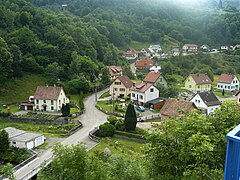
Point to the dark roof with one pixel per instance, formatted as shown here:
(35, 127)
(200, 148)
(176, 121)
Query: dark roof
(226, 78)
(209, 98)
(47, 92)
(201, 78)
(126, 81)
(115, 70)
(152, 77)
(141, 87)
(155, 100)
(172, 107)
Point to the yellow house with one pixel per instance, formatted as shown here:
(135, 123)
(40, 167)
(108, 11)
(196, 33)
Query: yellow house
(120, 88)
(198, 83)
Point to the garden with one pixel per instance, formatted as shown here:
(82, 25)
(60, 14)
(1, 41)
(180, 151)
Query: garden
(32, 115)
(113, 106)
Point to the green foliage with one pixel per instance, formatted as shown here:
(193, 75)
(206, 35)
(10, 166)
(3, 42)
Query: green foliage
(106, 130)
(130, 120)
(65, 110)
(80, 102)
(118, 123)
(130, 134)
(196, 142)
(4, 141)
(166, 92)
(7, 171)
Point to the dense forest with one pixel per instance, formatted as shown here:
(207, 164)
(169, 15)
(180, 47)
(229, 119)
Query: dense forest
(72, 41)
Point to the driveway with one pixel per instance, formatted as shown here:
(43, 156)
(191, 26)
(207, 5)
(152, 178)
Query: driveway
(90, 119)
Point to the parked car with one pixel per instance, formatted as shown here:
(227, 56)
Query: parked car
(140, 108)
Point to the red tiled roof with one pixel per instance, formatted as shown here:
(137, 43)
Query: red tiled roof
(115, 70)
(47, 92)
(126, 81)
(226, 78)
(201, 78)
(172, 107)
(141, 87)
(144, 63)
(152, 77)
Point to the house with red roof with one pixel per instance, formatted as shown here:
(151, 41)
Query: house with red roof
(144, 64)
(120, 87)
(155, 78)
(143, 92)
(198, 83)
(228, 82)
(130, 54)
(49, 98)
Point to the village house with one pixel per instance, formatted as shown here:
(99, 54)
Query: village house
(206, 101)
(142, 93)
(115, 71)
(198, 83)
(224, 47)
(155, 68)
(228, 82)
(130, 54)
(145, 52)
(120, 88)
(49, 98)
(190, 48)
(155, 50)
(205, 47)
(174, 52)
(175, 107)
(22, 139)
(155, 78)
(144, 64)
(237, 46)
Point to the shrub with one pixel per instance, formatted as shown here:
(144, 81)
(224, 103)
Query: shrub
(4, 114)
(119, 125)
(106, 130)
(112, 119)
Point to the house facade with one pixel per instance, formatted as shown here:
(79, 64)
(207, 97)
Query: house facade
(198, 83)
(155, 78)
(206, 101)
(49, 98)
(115, 71)
(224, 47)
(174, 52)
(155, 68)
(205, 47)
(190, 48)
(228, 82)
(120, 88)
(155, 50)
(130, 54)
(142, 93)
(144, 64)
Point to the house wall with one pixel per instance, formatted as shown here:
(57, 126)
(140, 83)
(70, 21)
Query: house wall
(192, 86)
(138, 96)
(146, 96)
(211, 109)
(234, 85)
(62, 99)
(199, 102)
(39, 141)
(117, 89)
(161, 80)
(17, 144)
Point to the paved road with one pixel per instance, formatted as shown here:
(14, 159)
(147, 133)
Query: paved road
(133, 69)
(90, 119)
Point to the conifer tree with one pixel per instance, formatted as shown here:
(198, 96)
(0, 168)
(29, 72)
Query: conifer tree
(130, 118)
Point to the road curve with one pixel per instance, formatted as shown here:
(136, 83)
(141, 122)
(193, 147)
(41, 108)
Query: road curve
(90, 119)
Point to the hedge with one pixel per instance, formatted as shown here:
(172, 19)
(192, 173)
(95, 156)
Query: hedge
(130, 135)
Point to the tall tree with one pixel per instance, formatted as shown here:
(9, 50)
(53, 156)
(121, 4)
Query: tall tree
(130, 118)
(4, 141)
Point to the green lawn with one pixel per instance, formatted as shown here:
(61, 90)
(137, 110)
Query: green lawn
(119, 146)
(13, 108)
(104, 95)
(47, 130)
(218, 93)
(154, 120)
(19, 89)
(74, 110)
(108, 106)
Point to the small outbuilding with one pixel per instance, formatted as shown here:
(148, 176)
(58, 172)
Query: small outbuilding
(156, 103)
(22, 139)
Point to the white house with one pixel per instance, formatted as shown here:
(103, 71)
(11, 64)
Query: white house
(22, 139)
(190, 48)
(228, 82)
(49, 98)
(155, 50)
(205, 47)
(155, 68)
(224, 47)
(206, 101)
(143, 92)
(130, 54)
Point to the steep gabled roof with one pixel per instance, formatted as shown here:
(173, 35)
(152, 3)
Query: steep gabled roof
(152, 77)
(141, 87)
(172, 107)
(201, 79)
(144, 63)
(209, 98)
(126, 81)
(47, 92)
(226, 78)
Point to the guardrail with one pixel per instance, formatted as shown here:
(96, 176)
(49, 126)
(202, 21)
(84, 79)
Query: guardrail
(92, 136)
(144, 118)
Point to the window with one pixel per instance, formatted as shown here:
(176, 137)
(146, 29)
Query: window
(64, 100)
(141, 97)
(117, 83)
(52, 108)
(133, 95)
(37, 101)
(198, 87)
(51, 102)
(218, 86)
(196, 100)
(37, 106)
(122, 89)
(14, 142)
(190, 86)
(115, 89)
(225, 87)
(228, 87)
(221, 86)
(160, 79)
(44, 101)
(189, 80)
(59, 101)
(238, 99)
(152, 90)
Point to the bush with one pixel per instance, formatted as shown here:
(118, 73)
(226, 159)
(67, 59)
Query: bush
(106, 130)
(112, 119)
(130, 135)
(119, 125)
(4, 114)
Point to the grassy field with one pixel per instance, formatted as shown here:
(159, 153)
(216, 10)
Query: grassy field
(13, 108)
(104, 95)
(119, 146)
(219, 94)
(19, 89)
(47, 130)
(73, 110)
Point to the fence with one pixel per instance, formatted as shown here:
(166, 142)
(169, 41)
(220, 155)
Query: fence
(92, 136)
(144, 118)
